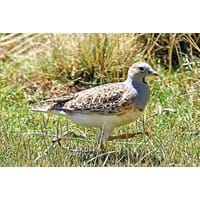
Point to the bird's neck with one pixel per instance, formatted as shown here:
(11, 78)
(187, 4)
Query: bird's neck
(135, 80)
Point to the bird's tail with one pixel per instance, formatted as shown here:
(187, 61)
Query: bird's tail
(43, 110)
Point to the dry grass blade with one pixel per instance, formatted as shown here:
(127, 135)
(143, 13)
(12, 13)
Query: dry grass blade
(151, 47)
(7, 39)
(15, 39)
(14, 45)
(192, 42)
(172, 38)
(98, 156)
(25, 45)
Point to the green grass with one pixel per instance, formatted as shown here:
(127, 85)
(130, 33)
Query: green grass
(171, 139)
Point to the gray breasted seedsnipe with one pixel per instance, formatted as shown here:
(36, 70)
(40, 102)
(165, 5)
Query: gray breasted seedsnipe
(107, 106)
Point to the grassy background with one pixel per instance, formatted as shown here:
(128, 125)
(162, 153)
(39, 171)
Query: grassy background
(35, 66)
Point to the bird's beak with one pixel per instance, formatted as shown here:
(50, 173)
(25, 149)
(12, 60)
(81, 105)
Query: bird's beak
(152, 72)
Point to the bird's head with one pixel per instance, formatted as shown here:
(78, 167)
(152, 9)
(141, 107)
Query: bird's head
(139, 71)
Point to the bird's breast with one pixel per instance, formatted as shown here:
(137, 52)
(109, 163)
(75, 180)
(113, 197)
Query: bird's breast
(141, 96)
(109, 120)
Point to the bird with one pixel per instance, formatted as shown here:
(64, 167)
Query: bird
(106, 106)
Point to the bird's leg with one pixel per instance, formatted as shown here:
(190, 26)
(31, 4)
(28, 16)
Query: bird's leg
(123, 136)
(100, 140)
(102, 137)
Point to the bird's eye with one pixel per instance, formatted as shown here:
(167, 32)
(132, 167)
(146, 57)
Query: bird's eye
(141, 68)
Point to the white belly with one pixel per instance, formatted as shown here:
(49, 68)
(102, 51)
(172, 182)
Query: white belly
(103, 120)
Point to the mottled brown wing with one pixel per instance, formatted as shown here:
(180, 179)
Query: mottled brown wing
(109, 98)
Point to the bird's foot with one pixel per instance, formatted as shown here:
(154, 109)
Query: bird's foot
(124, 136)
(100, 146)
